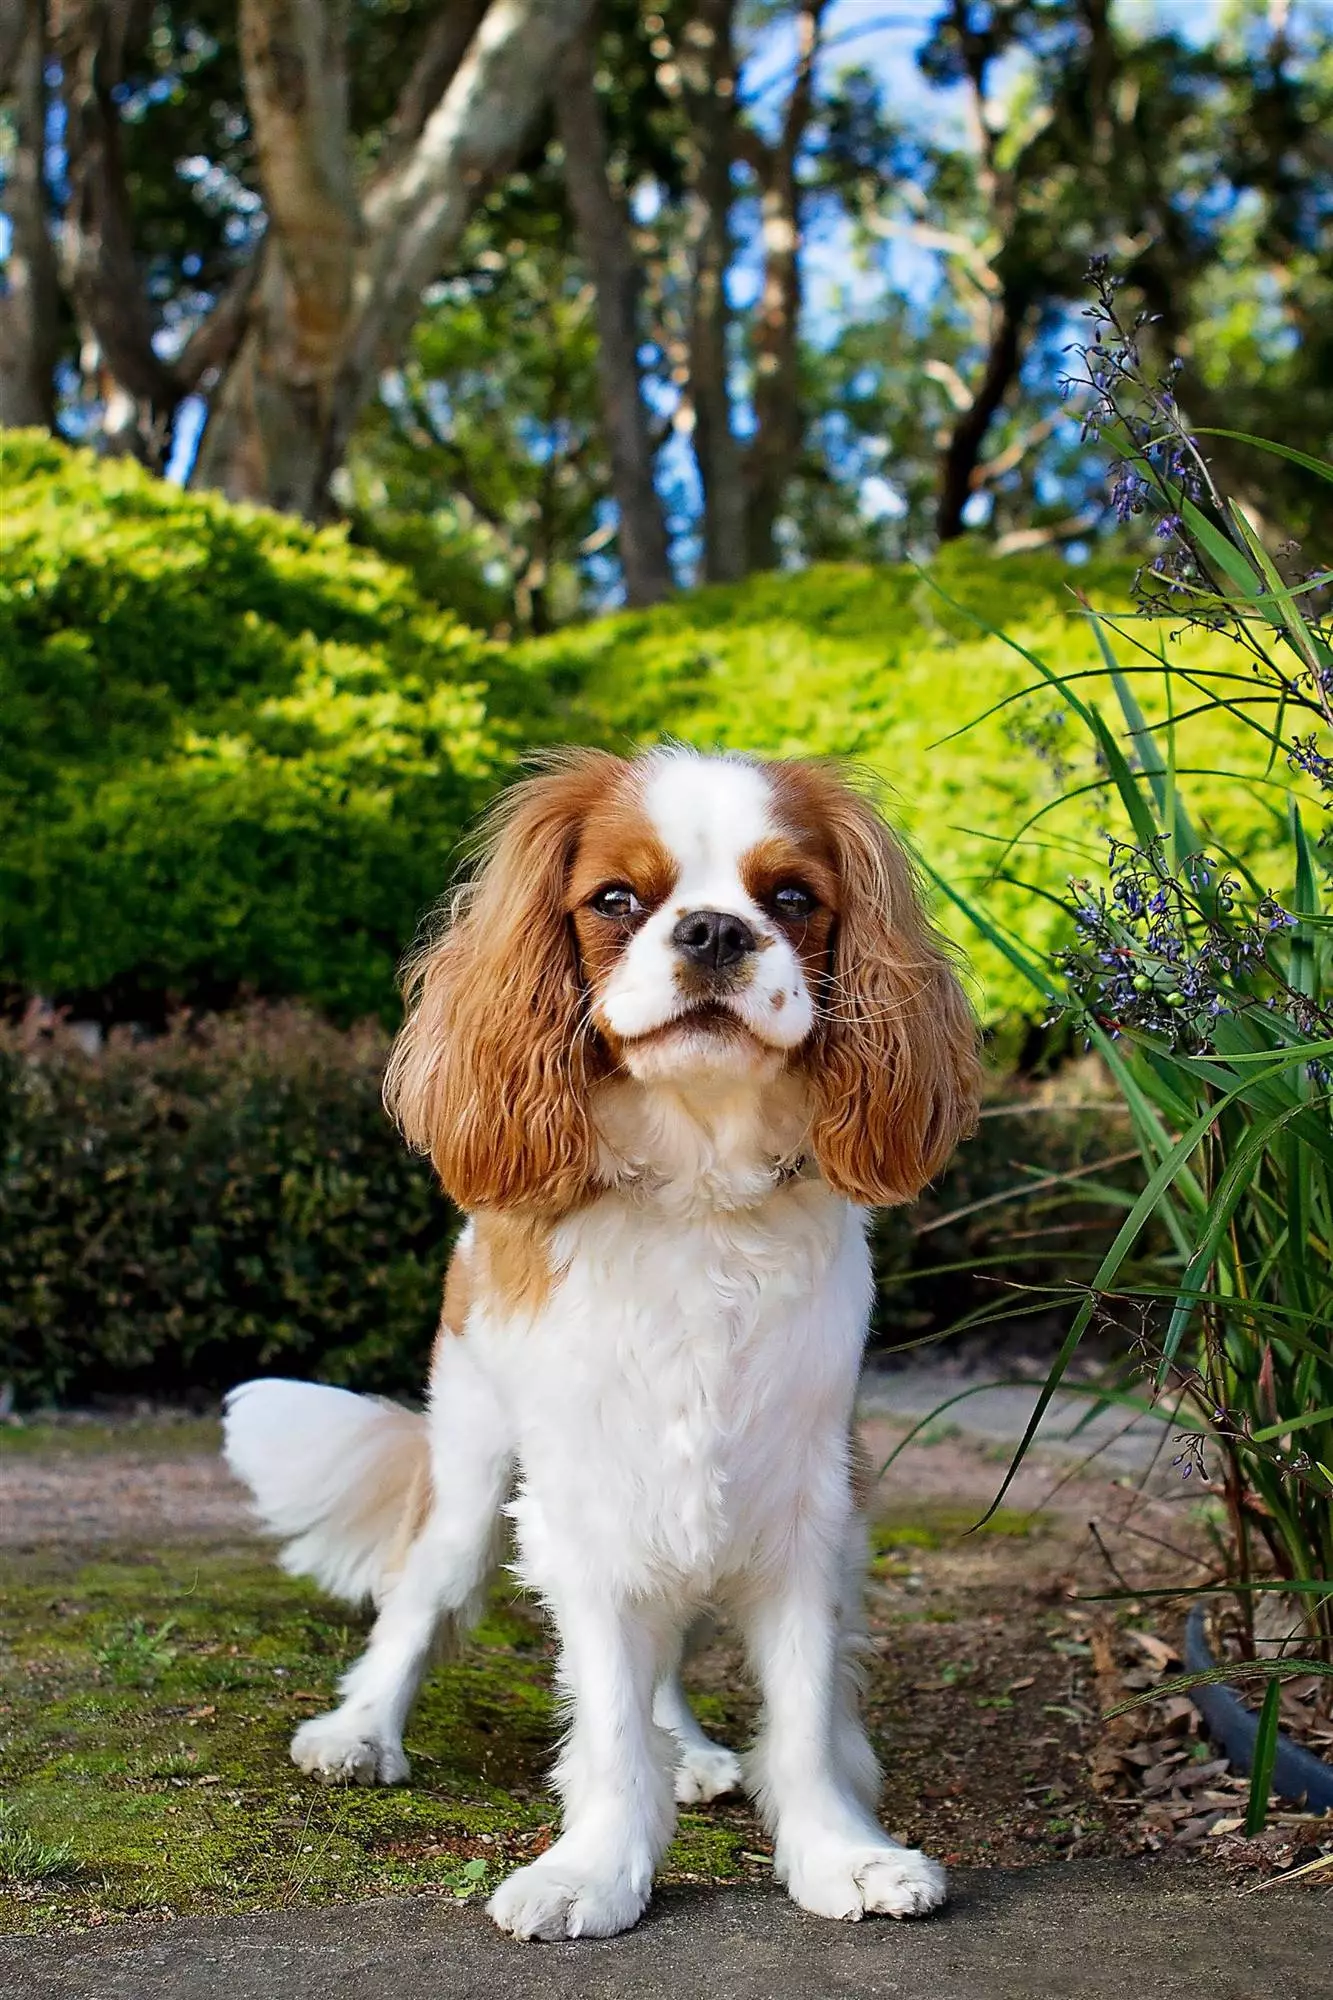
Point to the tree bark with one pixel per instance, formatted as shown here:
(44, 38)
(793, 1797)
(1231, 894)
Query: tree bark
(434, 70)
(342, 279)
(29, 302)
(604, 245)
(962, 454)
(777, 386)
(267, 436)
(474, 134)
(708, 72)
(101, 269)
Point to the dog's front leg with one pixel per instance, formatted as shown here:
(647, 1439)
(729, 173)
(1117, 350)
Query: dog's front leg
(614, 1778)
(440, 1585)
(832, 1854)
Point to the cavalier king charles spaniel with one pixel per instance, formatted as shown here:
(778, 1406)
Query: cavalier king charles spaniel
(685, 1027)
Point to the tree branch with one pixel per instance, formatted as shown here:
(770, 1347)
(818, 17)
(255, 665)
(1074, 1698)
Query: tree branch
(777, 400)
(294, 62)
(473, 134)
(606, 250)
(952, 383)
(29, 301)
(1014, 454)
(707, 64)
(963, 451)
(931, 237)
(215, 340)
(1023, 540)
(447, 41)
(15, 20)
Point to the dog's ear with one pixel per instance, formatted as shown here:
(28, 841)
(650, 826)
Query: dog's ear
(894, 1062)
(491, 1072)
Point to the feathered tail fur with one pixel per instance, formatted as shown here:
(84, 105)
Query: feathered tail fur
(342, 1480)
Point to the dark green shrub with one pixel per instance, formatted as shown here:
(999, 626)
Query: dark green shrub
(226, 1199)
(1010, 1211)
(237, 754)
(229, 1198)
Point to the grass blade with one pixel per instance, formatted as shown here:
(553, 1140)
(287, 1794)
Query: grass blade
(1265, 1757)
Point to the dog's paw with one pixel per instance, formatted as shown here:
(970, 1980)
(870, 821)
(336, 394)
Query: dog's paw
(850, 1880)
(551, 1900)
(706, 1771)
(339, 1749)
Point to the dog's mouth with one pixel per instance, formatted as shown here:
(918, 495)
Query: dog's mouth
(708, 1017)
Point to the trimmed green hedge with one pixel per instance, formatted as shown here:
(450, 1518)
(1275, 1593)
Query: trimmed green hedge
(182, 1211)
(227, 1199)
(237, 754)
(877, 665)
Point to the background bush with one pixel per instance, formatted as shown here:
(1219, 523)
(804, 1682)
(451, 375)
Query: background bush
(225, 1199)
(1014, 1207)
(238, 754)
(230, 1198)
(879, 665)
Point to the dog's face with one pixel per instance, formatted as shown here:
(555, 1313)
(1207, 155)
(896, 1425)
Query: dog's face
(703, 903)
(683, 920)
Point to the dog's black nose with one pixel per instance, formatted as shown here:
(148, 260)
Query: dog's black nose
(713, 939)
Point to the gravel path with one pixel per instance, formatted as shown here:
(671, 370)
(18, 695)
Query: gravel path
(83, 1487)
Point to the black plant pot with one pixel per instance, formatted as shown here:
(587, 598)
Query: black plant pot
(1297, 1774)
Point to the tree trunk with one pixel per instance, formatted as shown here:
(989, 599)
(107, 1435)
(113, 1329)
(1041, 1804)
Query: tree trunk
(962, 454)
(29, 303)
(342, 280)
(777, 387)
(474, 135)
(604, 245)
(267, 439)
(101, 269)
(708, 71)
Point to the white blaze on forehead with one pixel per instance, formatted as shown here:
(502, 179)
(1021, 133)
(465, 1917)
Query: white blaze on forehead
(708, 812)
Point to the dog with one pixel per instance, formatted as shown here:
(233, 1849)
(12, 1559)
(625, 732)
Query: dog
(686, 1026)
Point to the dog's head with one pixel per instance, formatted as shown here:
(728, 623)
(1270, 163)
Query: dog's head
(689, 921)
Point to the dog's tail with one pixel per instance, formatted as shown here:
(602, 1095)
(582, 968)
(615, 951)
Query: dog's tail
(342, 1480)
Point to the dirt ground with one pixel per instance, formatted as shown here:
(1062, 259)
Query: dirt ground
(153, 1662)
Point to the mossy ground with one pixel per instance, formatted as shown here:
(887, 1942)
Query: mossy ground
(146, 1701)
(149, 1686)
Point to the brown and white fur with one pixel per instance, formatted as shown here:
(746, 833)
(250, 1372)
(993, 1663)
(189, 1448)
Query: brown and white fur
(687, 1025)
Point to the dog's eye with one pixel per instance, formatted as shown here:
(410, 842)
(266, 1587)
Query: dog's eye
(618, 901)
(793, 902)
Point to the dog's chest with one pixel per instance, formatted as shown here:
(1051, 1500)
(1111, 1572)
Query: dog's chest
(679, 1373)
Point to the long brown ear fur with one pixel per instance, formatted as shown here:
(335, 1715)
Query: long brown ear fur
(895, 1063)
(491, 1071)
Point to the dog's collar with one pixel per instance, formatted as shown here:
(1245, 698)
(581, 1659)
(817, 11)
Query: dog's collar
(786, 1171)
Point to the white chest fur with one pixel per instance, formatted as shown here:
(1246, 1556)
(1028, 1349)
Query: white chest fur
(667, 1396)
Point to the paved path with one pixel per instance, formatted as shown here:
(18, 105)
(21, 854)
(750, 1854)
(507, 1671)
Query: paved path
(143, 1495)
(1115, 1439)
(1120, 1930)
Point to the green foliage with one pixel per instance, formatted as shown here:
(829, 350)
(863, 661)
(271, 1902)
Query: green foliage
(122, 1798)
(482, 464)
(27, 1859)
(1207, 984)
(951, 1259)
(226, 1199)
(238, 753)
(888, 667)
(134, 1654)
(229, 1198)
